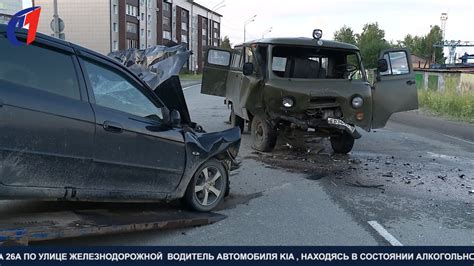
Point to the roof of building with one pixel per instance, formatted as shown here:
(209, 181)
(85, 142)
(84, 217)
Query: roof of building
(302, 41)
(205, 8)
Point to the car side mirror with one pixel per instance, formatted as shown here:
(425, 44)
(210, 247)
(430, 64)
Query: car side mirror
(248, 69)
(175, 118)
(382, 65)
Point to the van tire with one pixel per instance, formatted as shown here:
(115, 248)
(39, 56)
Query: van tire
(342, 143)
(237, 121)
(264, 137)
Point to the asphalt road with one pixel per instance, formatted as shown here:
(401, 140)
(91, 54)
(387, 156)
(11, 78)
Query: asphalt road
(406, 184)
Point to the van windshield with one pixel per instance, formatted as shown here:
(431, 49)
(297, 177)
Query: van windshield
(315, 63)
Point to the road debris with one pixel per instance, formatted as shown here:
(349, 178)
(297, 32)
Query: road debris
(443, 177)
(389, 174)
(358, 184)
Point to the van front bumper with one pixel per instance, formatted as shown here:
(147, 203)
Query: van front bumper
(330, 124)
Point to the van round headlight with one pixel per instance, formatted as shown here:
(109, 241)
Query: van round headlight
(288, 102)
(357, 102)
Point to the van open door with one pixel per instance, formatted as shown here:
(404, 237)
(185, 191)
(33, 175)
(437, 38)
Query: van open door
(395, 89)
(216, 70)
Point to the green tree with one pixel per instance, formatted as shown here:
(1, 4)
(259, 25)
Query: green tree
(434, 36)
(345, 34)
(371, 42)
(225, 43)
(408, 41)
(423, 45)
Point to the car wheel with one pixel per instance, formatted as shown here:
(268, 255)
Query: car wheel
(207, 187)
(342, 143)
(237, 121)
(263, 135)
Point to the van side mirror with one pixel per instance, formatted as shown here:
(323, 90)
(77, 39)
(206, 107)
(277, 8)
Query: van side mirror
(175, 118)
(382, 65)
(248, 69)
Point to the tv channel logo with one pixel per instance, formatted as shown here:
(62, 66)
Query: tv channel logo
(26, 19)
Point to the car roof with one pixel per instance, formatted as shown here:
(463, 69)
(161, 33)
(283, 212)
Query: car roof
(302, 41)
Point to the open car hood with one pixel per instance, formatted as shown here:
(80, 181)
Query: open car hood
(159, 67)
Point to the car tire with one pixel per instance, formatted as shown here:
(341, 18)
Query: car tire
(237, 121)
(264, 137)
(208, 187)
(342, 143)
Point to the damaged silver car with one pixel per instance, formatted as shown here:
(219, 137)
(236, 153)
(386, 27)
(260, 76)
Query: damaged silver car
(76, 125)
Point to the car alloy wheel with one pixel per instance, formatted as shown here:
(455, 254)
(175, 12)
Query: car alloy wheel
(209, 186)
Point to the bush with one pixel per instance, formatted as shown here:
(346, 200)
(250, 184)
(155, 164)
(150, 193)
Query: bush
(448, 103)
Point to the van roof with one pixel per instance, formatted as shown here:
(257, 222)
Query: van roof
(305, 42)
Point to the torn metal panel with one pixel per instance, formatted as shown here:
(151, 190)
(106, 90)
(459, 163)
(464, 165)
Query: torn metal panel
(154, 65)
(171, 93)
(159, 68)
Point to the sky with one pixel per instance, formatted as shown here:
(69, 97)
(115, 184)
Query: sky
(26, 3)
(298, 18)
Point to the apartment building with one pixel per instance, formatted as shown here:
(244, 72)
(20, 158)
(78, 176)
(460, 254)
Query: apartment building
(110, 25)
(8, 8)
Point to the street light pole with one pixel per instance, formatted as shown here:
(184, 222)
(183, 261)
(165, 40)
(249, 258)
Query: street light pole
(248, 21)
(267, 31)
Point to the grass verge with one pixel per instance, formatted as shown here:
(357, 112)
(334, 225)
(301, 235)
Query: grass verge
(190, 77)
(451, 104)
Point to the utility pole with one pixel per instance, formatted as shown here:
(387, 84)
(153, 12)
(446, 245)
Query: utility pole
(191, 36)
(56, 19)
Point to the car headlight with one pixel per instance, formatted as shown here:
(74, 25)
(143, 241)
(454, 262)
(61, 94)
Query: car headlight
(357, 102)
(288, 102)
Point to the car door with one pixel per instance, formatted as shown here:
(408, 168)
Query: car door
(46, 122)
(248, 95)
(395, 89)
(216, 72)
(234, 80)
(133, 149)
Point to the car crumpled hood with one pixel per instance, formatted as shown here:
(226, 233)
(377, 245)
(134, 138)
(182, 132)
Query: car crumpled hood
(159, 68)
(215, 142)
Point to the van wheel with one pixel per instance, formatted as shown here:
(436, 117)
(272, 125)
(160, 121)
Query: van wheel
(208, 187)
(237, 121)
(263, 135)
(342, 143)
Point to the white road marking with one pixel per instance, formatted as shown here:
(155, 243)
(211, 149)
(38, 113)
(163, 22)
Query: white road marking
(385, 234)
(191, 87)
(460, 139)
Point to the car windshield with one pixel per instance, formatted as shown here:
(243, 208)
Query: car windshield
(315, 63)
